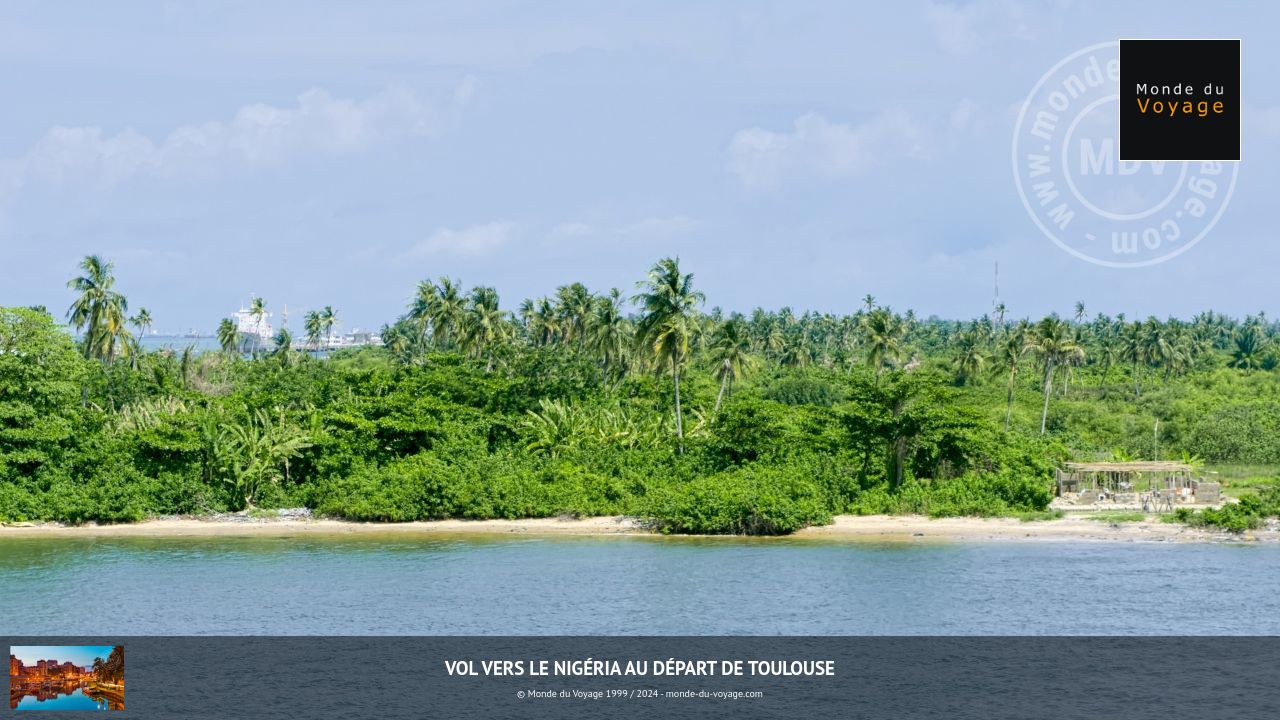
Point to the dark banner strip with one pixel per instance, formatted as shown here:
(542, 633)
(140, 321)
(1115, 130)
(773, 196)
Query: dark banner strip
(638, 677)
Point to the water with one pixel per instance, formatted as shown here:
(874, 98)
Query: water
(75, 700)
(629, 585)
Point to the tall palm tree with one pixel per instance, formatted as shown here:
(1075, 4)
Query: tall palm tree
(574, 305)
(1134, 349)
(731, 355)
(668, 304)
(228, 336)
(258, 310)
(1011, 350)
(608, 331)
(1052, 341)
(142, 321)
(99, 310)
(970, 358)
(422, 309)
(448, 313)
(485, 324)
(544, 326)
(883, 334)
(313, 325)
(328, 319)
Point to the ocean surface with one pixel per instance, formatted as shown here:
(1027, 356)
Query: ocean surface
(384, 585)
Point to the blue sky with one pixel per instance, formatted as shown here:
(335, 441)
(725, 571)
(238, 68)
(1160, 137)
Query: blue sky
(800, 154)
(81, 655)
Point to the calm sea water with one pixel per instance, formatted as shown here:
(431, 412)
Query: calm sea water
(386, 585)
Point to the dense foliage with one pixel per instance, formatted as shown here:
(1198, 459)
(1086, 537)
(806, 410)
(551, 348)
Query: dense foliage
(698, 421)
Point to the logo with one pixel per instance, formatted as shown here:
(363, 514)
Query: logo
(1082, 196)
(1180, 100)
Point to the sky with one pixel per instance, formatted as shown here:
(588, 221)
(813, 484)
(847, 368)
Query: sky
(79, 655)
(791, 154)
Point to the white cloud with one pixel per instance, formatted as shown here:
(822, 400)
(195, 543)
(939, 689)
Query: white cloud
(954, 27)
(817, 147)
(476, 241)
(962, 28)
(647, 229)
(257, 135)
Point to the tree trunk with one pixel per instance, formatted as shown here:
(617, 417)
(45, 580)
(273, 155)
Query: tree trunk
(724, 382)
(675, 374)
(1048, 390)
(1008, 412)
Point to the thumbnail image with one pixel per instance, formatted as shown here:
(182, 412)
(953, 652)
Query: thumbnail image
(66, 677)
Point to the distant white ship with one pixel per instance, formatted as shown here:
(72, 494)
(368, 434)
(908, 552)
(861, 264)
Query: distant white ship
(256, 329)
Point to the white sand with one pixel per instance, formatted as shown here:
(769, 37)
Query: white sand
(911, 528)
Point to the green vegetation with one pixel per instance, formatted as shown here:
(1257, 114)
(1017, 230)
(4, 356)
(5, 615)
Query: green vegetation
(1250, 513)
(588, 403)
(1117, 516)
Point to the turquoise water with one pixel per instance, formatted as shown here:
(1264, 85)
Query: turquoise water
(628, 585)
(75, 700)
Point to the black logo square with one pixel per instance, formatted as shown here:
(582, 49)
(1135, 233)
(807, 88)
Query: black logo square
(1179, 99)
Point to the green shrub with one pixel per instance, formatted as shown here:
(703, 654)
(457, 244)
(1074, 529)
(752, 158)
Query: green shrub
(743, 501)
(805, 391)
(978, 494)
(1248, 514)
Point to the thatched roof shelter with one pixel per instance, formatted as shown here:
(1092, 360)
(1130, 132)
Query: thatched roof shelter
(1140, 466)
(1124, 476)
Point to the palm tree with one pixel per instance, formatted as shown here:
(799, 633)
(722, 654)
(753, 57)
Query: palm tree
(730, 353)
(99, 310)
(395, 340)
(142, 321)
(228, 336)
(484, 324)
(1134, 349)
(883, 333)
(1011, 350)
(313, 325)
(541, 322)
(258, 311)
(1251, 348)
(328, 318)
(422, 309)
(608, 330)
(970, 360)
(1108, 351)
(448, 313)
(283, 350)
(574, 304)
(1052, 341)
(668, 304)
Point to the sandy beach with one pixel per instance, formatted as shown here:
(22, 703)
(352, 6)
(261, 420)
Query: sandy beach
(872, 528)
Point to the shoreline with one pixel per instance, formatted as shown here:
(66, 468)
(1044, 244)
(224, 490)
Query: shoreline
(851, 528)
